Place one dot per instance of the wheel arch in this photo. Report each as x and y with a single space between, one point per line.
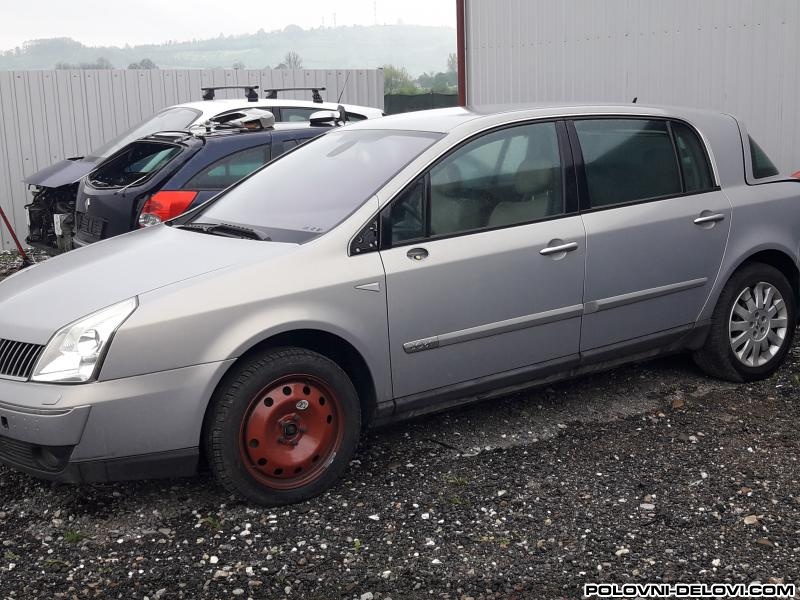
778 257
328 344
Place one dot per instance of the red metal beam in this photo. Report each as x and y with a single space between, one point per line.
20 249
461 35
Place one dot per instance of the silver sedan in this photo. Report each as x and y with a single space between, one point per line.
393 268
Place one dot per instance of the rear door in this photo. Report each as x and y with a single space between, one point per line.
207 176
656 224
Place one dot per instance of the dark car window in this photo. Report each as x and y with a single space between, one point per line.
762 165
135 164
230 169
295 114
407 214
628 160
312 189
694 162
171 119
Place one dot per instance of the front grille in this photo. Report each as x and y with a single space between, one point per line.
17 359
50 459
17 453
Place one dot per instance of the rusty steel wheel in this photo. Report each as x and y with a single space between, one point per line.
282 426
290 432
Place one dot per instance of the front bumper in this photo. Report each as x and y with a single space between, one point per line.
131 428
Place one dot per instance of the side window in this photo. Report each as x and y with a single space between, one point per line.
508 177
762 165
230 169
628 160
296 114
279 147
407 214
694 162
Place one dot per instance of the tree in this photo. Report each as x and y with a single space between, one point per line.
292 60
443 83
396 80
238 65
100 63
145 63
452 63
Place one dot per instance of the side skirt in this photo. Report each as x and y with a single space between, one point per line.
502 384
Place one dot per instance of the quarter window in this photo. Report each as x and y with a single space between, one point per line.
227 171
508 177
762 165
694 163
293 114
628 160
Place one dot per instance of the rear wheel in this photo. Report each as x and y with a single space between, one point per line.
752 327
283 426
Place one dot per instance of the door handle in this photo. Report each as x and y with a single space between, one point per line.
417 254
705 219
560 249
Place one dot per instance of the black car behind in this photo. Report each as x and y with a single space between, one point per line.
160 176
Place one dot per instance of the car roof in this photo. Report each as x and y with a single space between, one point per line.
280 130
210 108
445 120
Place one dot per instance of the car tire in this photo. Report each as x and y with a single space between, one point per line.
746 342
282 426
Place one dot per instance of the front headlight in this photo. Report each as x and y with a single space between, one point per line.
74 353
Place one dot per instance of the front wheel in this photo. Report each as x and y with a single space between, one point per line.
282 427
752 327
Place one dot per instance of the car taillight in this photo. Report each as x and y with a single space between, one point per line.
165 205
796 175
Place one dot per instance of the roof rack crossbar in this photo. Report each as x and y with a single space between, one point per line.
250 91
272 94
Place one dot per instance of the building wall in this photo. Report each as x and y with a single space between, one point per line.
736 56
46 116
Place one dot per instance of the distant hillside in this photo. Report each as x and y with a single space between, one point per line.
419 49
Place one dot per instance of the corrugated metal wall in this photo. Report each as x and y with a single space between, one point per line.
737 56
46 116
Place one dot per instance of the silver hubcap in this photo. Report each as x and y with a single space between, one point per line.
757 324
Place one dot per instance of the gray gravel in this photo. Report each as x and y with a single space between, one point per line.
646 473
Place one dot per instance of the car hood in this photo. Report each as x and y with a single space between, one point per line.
38 301
63 172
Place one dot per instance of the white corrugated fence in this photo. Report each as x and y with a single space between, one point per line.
736 56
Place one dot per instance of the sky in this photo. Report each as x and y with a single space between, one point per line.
116 23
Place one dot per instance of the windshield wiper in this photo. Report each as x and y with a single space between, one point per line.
226 230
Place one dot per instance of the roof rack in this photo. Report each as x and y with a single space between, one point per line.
250 91
315 91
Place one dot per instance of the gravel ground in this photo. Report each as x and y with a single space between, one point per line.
646 473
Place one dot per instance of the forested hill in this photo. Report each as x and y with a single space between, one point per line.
419 49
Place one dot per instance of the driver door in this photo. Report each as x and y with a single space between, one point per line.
484 261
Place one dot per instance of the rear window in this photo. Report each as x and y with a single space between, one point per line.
134 165
171 119
763 167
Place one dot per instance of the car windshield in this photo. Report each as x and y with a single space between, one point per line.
312 189
171 119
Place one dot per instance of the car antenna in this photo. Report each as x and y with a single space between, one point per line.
635 100
344 87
